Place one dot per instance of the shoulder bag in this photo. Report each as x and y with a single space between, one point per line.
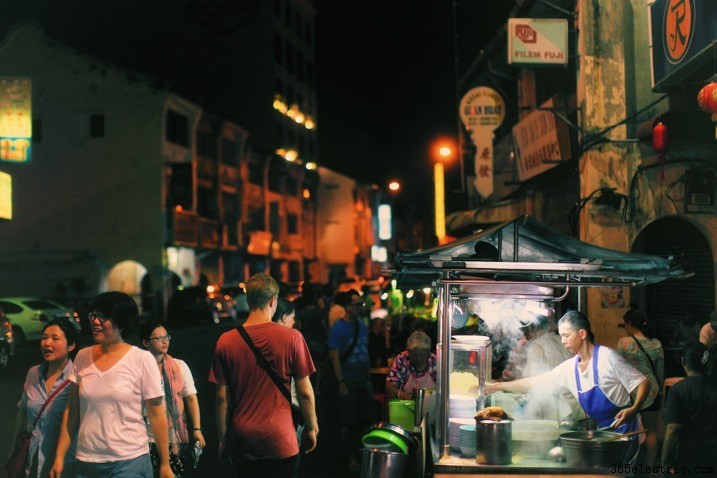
658 397
264 364
15 466
329 384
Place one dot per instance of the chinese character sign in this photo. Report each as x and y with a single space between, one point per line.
482 110
15 119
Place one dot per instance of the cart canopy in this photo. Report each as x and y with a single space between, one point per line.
527 250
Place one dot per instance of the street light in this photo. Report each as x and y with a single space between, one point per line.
394 186
444 154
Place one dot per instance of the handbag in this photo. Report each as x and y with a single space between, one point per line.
296 414
658 397
15 466
329 385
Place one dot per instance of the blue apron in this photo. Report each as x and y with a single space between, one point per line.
598 406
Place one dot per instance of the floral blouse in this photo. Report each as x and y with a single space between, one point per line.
635 357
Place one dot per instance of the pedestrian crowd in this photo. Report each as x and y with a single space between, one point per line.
117 410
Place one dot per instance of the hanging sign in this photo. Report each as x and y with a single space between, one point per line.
482 110
5 196
538 41
15 119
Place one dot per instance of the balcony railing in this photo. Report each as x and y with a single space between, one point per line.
186 228
210 237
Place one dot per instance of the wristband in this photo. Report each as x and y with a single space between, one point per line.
197 429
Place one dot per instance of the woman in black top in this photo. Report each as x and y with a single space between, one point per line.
691 416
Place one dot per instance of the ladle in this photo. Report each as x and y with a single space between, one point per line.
623 435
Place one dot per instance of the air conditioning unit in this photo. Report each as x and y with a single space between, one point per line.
699 191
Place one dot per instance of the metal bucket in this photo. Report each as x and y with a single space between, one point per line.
494 442
382 464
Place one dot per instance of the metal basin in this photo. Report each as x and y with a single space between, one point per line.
588 449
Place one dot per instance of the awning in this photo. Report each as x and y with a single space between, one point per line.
526 250
461 223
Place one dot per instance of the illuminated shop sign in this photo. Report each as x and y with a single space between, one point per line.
15 119
683 38
384 222
537 41
5 196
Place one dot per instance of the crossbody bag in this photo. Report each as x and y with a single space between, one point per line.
652 367
264 364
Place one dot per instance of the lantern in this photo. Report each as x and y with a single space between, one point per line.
661 144
707 100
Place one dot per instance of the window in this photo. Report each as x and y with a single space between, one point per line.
274 223
294 271
37 131
278 49
256 175
291 188
229 152
256 220
97 126
206 144
177 128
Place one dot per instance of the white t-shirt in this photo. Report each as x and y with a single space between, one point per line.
111 423
617 378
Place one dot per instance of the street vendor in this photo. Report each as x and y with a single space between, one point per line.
414 368
598 377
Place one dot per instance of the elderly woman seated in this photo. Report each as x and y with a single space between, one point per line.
413 369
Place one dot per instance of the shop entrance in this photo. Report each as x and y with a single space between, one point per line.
674 305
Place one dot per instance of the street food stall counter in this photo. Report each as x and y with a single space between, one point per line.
491 285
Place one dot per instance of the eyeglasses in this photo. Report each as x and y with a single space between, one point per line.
97 315
161 338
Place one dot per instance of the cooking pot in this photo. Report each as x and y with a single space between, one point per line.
588 449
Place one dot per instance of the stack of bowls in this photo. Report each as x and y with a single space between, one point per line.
454 431
467 440
462 406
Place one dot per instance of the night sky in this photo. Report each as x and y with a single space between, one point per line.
387 84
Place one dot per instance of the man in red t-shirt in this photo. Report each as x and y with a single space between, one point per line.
263 438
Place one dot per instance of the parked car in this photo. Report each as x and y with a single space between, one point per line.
29 315
198 304
7 344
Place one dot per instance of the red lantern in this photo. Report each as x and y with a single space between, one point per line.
661 144
707 100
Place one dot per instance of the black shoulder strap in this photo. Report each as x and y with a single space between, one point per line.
347 354
263 363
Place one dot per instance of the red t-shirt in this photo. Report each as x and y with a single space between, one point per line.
261 422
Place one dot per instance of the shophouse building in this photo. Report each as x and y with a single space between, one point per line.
583 147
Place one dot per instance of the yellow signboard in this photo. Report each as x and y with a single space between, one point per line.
15 119
5 196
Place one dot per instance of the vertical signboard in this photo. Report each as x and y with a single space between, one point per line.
15 119
482 110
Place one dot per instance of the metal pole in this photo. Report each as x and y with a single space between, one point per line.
445 338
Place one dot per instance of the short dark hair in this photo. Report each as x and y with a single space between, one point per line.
145 330
283 307
260 288
344 298
578 320
67 328
117 306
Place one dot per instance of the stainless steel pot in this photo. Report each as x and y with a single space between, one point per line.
588 449
494 442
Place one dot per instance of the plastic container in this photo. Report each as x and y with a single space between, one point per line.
382 464
401 413
382 439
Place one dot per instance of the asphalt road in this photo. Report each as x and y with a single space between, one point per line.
194 345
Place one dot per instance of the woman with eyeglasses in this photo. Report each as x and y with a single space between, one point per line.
59 339
180 399
111 382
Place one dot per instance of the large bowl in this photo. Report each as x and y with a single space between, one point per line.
535 438
588 449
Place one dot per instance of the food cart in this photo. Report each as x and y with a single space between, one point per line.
503 274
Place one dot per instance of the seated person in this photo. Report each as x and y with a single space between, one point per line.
415 368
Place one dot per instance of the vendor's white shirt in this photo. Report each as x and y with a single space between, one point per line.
617 378
111 423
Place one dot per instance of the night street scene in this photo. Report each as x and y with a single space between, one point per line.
311 238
